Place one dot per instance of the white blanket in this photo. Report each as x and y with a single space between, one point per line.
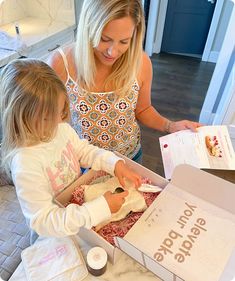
133 202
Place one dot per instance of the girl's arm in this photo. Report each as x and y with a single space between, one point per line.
90 156
35 195
146 113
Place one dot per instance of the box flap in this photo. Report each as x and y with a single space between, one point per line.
229 272
184 232
208 187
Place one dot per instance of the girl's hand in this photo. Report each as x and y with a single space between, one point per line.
115 200
184 125
122 171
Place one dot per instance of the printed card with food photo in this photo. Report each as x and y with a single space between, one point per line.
208 148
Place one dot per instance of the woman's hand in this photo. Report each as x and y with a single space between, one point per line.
183 125
115 200
122 171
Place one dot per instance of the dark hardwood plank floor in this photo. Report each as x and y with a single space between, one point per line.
178 91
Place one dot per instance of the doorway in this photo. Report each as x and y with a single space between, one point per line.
186 26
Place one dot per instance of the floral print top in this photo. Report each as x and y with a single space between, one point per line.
103 119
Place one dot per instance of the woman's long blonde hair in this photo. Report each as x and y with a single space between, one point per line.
29 92
95 15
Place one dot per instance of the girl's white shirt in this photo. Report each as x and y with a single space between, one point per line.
41 171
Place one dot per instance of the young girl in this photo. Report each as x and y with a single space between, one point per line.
43 154
108 78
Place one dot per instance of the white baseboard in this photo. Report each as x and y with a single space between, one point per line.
213 56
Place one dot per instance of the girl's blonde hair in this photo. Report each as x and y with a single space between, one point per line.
29 93
95 15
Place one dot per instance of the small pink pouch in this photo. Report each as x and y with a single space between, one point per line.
57 259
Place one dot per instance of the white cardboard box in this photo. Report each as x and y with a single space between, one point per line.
215 246
192 228
91 236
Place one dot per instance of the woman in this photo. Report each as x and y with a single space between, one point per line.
108 78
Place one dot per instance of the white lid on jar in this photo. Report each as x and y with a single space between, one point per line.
97 257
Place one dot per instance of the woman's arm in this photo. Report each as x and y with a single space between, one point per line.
56 62
146 113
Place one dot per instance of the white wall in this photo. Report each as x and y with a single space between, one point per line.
78 7
61 10
219 24
222 26
14 10
219 104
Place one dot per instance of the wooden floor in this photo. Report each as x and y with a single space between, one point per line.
178 90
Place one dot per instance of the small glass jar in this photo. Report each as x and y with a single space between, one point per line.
96 261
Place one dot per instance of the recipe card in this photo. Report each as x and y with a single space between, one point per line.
208 148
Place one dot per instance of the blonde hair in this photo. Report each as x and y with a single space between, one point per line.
95 15
29 92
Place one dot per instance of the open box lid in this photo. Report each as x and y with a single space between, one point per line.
213 189
188 232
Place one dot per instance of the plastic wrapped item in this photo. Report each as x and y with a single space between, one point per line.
10 43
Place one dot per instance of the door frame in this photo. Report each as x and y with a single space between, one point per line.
156 22
218 104
225 110
208 54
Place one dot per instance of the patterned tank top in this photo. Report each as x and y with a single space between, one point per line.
103 119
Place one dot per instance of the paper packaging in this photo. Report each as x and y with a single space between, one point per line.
209 257
91 236
208 148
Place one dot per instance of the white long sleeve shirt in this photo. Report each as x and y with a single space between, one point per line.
41 171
